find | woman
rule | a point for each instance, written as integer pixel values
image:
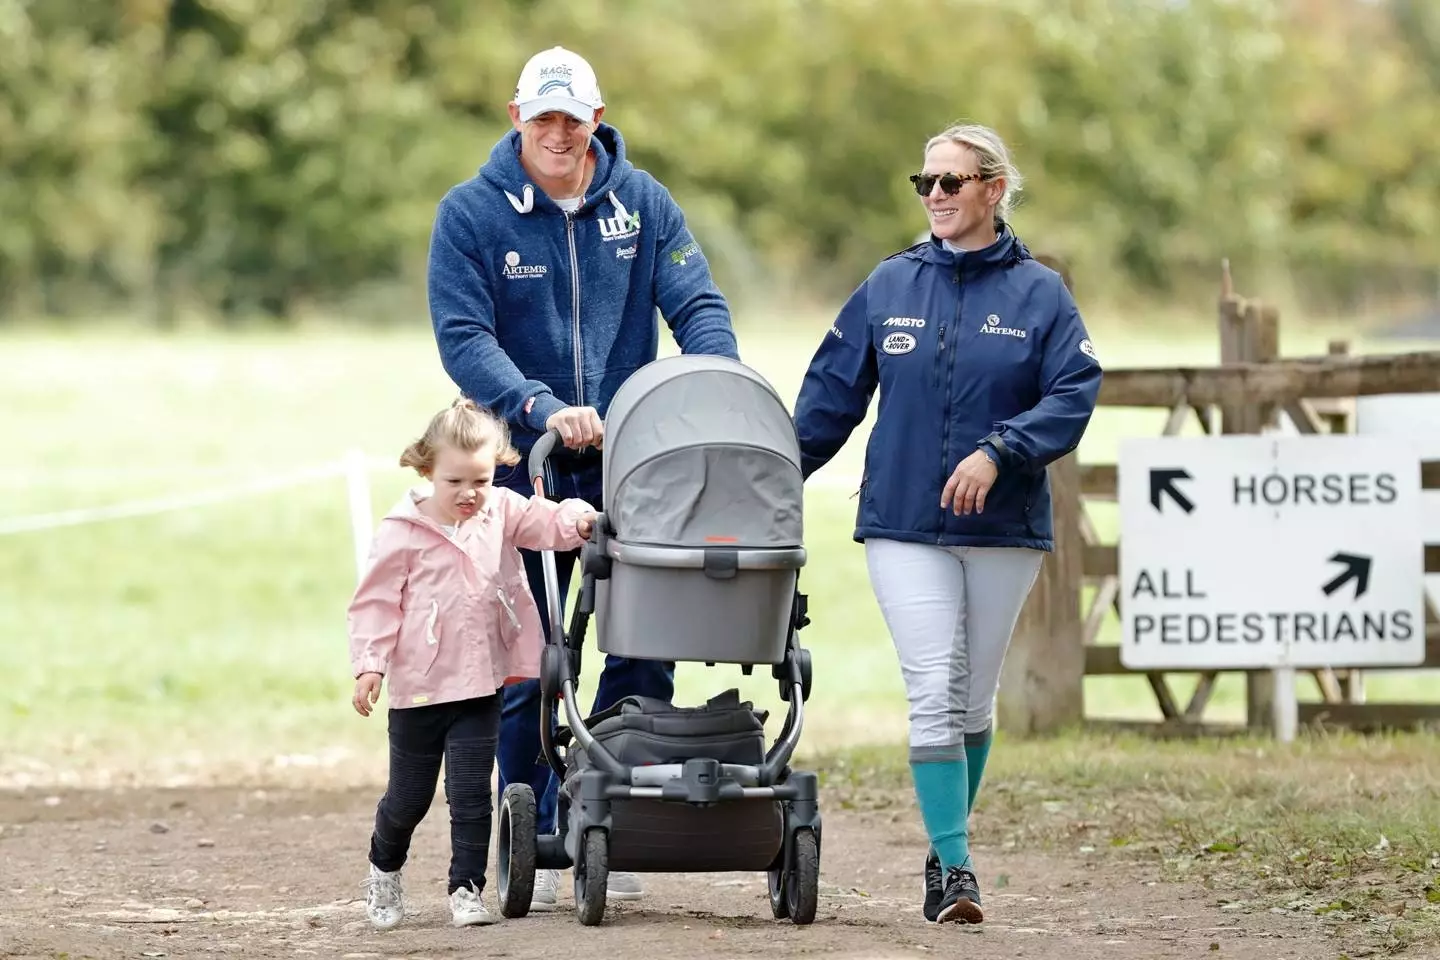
(985, 375)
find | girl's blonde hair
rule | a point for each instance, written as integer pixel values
(465, 426)
(994, 159)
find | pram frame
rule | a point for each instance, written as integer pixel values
(583, 844)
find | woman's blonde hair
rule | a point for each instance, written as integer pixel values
(994, 159)
(465, 426)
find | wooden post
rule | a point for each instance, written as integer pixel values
(1243, 336)
(1042, 683)
(1338, 414)
(1262, 329)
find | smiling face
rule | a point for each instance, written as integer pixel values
(462, 483)
(554, 150)
(967, 218)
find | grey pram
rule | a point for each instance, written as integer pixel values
(696, 558)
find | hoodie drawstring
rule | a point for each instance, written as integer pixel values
(522, 206)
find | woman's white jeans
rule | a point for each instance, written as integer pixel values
(950, 612)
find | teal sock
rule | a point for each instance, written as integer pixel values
(977, 751)
(940, 787)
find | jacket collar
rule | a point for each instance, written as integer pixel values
(1005, 251)
(407, 508)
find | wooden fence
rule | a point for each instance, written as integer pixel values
(1055, 645)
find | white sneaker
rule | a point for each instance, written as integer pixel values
(466, 910)
(547, 883)
(623, 886)
(385, 899)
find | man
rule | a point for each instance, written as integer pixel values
(546, 271)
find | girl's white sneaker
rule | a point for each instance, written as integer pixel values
(385, 899)
(466, 910)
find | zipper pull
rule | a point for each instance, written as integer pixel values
(942, 338)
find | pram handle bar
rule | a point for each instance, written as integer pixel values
(538, 455)
(695, 558)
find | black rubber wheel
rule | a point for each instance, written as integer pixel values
(802, 878)
(515, 850)
(592, 876)
(779, 907)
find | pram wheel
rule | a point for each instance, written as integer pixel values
(779, 907)
(592, 877)
(795, 889)
(515, 850)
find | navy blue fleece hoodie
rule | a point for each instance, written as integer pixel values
(535, 309)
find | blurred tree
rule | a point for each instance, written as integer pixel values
(237, 157)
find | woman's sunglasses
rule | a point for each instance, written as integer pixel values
(949, 182)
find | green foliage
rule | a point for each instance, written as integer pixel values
(243, 156)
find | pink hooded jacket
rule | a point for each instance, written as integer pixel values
(451, 619)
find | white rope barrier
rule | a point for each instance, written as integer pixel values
(157, 505)
(356, 467)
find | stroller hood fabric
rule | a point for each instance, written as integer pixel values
(701, 452)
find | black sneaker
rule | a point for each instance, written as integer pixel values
(961, 902)
(934, 886)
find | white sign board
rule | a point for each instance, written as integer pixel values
(1261, 552)
(1412, 417)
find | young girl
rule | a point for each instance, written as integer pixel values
(445, 612)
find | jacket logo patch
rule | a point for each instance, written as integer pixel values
(1088, 348)
(905, 322)
(515, 270)
(898, 343)
(992, 325)
(684, 254)
(620, 226)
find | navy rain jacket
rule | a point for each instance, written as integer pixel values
(971, 349)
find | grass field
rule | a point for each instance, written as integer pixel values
(215, 634)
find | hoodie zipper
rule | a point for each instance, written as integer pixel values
(575, 300)
(945, 385)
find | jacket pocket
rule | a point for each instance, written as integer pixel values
(507, 618)
(426, 626)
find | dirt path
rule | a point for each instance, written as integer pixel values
(194, 873)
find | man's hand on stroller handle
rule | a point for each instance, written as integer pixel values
(578, 427)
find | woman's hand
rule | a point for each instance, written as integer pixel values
(965, 490)
(367, 692)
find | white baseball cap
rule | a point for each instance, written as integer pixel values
(558, 79)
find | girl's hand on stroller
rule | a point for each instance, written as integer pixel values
(578, 427)
(585, 525)
(367, 693)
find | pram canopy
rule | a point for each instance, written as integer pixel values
(700, 451)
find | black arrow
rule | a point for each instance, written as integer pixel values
(1163, 481)
(1357, 568)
